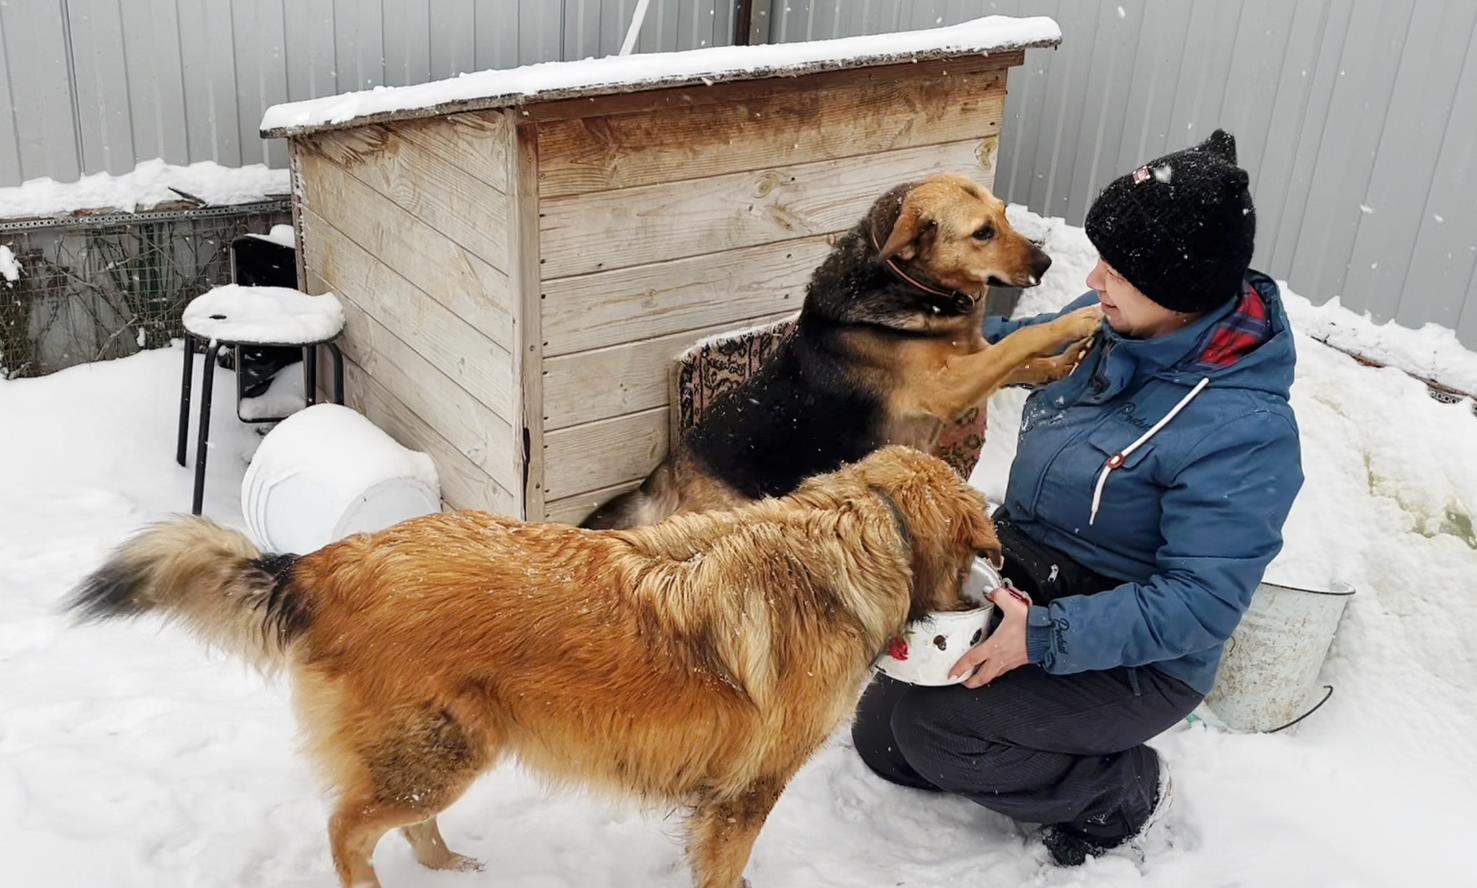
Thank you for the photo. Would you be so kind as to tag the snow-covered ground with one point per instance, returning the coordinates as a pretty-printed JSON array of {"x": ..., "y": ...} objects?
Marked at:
[{"x": 130, "y": 758}]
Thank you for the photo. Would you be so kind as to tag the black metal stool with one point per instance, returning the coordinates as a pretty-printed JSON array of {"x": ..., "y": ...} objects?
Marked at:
[{"x": 208, "y": 321}]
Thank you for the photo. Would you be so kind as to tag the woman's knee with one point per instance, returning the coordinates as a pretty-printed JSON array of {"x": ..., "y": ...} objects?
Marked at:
[
  {"x": 944, "y": 735},
  {"x": 872, "y": 733},
  {"x": 919, "y": 727},
  {"x": 874, "y": 748}
]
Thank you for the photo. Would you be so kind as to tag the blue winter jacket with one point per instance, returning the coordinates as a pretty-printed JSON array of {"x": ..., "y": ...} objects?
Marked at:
[{"x": 1189, "y": 520}]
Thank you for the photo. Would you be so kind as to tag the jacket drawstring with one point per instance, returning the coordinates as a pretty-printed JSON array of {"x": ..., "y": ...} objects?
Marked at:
[{"x": 1116, "y": 460}]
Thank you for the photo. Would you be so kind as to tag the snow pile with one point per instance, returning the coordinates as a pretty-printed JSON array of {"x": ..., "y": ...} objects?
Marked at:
[
  {"x": 282, "y": 235},
  {"x": 265, "y": 315},
  {"x": 104, "y": 433},
  {"x": 1432, "y": 352},
  {"x": 10, "y": 267},
  {"x": 614, "y": 74},
  {"x": 130, "y": 758},
  {"x": 283, "y": 397},
  {"x": 147, "y": 186}
]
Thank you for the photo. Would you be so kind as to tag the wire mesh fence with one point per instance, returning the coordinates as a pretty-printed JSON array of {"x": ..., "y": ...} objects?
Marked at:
[{"x": 106, "y": 286}]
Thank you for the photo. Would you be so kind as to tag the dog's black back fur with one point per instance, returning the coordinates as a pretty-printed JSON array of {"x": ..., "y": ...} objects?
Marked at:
[
  {"x": 797, "y": 416},
  {"x": 807, "y": 411}
]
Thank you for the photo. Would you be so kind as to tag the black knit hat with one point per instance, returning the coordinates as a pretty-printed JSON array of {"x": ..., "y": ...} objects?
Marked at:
[{"x": 1180, "y": 228}]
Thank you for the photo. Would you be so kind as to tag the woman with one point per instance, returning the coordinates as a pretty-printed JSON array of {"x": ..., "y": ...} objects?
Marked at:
[{"x": 1146, "y": 499}]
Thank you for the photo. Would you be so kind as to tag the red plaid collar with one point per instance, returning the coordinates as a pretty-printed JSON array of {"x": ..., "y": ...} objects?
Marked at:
[{"x": 1240, "y": 332}]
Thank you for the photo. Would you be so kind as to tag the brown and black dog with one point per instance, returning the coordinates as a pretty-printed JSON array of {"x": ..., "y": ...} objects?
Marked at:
[
  {"x": 888, "y": 350},
  {"x": 699, "y": 662}
]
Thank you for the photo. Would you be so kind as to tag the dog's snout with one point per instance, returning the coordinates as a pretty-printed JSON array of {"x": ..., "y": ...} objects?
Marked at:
[{"x": 1039, "y": 262}]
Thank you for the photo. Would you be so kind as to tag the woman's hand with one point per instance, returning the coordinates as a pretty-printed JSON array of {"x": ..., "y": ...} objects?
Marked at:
[{"x": 1004, "y": 650}]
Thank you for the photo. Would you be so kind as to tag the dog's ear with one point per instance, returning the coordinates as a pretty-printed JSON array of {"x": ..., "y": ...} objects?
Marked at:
[
  {"x": 986, "y": 544},
  {"x": 911, "y": 221}
]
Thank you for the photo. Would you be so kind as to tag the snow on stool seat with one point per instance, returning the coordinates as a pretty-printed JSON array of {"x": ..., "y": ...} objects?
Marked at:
[
  {"x": 243, "y": 315},
  {"x": 327, "y": 472},
  {"x": 233, "y": 315}
]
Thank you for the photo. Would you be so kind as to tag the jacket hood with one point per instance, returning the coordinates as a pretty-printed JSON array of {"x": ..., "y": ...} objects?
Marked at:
[{"x": 1266, "y": 367}]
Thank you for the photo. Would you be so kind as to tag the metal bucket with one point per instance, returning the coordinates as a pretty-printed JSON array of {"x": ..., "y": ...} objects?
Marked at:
[{"x": 1268, "y": 677}]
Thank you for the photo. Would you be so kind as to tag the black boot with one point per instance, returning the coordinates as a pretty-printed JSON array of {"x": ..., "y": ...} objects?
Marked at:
[{"x": 1070, "y": 847}]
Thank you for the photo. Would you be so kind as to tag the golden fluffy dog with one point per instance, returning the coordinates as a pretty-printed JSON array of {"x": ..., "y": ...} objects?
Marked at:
[{"x": 700, "y": 661}]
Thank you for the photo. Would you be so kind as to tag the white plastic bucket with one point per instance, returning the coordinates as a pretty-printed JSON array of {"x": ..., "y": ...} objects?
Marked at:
[
  {"x": 325, "y": 473},
  {"x": 1268, "y": 677}
]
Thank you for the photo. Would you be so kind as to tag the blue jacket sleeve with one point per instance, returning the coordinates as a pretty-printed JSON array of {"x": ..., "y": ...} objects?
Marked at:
[
  {"x": 1221, "y": 526},
  {"x": 997, "y": 327}
]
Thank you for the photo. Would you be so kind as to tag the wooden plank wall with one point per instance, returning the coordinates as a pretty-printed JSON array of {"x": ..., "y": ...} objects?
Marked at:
[
  {"x": 673, "y": 217},
  {"x": 410, "y": 226}
]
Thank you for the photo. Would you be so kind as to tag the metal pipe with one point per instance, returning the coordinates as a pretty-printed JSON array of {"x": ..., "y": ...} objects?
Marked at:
[
  {"x": 634, "y": 31},
  {"x": 743, "y": 22}
]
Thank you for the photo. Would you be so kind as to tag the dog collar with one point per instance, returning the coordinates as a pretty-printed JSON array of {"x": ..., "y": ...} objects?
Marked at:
[
  {"x": 962, "y": 301},
  {"x": 897, "y": 516}
]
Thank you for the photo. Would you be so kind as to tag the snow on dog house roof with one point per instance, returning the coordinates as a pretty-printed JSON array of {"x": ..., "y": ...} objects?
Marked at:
[{"x": 613, "y": 75}]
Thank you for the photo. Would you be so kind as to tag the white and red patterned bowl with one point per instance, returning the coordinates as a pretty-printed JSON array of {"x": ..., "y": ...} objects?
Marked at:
[{"x": 930, "y": 647}]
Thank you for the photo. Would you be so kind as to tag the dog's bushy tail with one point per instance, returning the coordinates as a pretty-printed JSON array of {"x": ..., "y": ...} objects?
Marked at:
[{"x": 211, "y": 579}]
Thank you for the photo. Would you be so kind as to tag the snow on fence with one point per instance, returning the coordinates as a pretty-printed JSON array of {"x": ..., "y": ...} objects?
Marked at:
[
  {"x": 100, "y": 85},
  {"x": 106, "y": 285}
]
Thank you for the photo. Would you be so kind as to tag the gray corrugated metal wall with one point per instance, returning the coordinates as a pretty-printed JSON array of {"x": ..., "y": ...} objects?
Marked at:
[
  {"x": 1345, "y": 110},
  {"x": 1357, "y": 120},
  {"x": 99, "y": 85}
]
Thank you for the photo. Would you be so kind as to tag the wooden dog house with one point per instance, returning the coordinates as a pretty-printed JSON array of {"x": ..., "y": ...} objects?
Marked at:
[{"x": 521, "y": 254}]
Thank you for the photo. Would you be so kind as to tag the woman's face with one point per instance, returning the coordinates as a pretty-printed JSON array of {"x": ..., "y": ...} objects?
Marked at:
[{"x": 1128, "y": 311}]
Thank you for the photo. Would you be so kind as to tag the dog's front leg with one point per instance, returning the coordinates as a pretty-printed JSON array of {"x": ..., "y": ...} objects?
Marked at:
[
  {"x": 723, "y": 831},
  {"x": 963, "y": 381},
  {"x": 1040, "y": 371}
]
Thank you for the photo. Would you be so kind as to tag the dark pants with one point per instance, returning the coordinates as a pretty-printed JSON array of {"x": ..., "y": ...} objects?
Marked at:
[{"x": 1040, "y": 748}]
